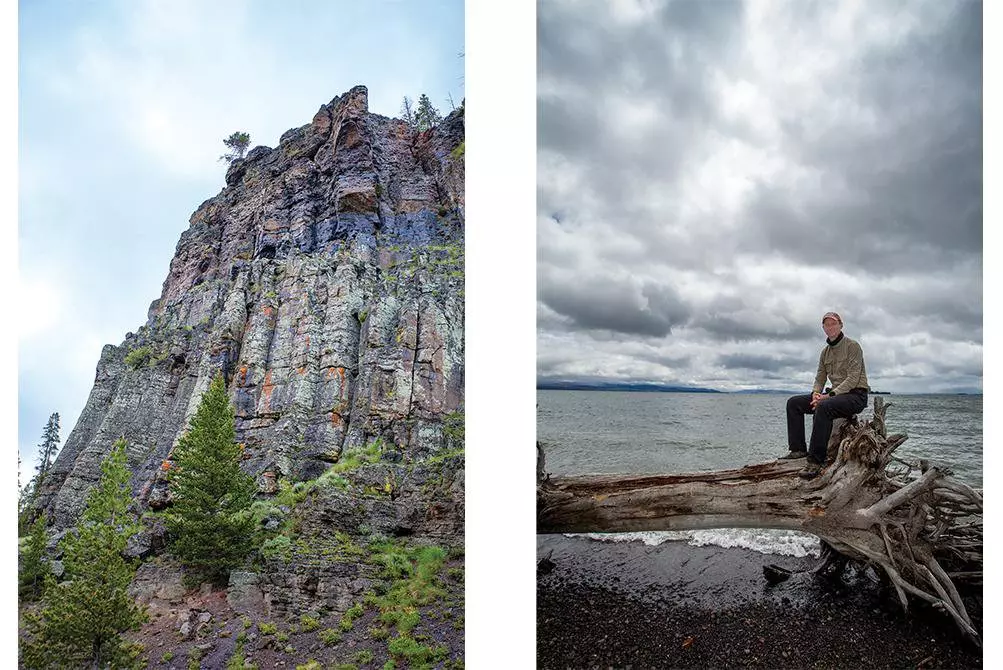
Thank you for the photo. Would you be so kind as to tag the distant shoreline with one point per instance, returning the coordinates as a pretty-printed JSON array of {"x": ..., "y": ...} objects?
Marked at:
[{"x": 657, "y": 388}]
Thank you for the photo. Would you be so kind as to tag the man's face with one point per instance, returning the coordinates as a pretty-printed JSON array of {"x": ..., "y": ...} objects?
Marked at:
[{"x": 831, "y": 328}]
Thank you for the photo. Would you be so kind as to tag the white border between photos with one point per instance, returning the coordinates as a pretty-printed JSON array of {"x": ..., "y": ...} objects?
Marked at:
[
  {"x": 8, "y": 341},
  {"x": 500, "y": 85}
]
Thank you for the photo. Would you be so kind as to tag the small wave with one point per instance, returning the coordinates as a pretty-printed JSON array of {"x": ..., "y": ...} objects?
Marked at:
[{"x": 763, "y": 540}]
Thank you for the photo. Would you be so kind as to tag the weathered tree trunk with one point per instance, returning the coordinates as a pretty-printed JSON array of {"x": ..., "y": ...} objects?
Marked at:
[{"x": 924, "y": 531}]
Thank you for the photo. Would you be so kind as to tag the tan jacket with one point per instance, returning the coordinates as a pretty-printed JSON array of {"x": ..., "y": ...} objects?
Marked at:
[{"x": 843, "y": 364}]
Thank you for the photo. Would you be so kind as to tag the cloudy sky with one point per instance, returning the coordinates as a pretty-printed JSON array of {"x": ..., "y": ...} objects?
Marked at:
[
  {"x": 123, "y": 106},
  {"x": 714, "y": 176}
]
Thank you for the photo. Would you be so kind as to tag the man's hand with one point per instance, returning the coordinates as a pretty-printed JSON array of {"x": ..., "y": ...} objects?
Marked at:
[{"x": 816, "y": 398}]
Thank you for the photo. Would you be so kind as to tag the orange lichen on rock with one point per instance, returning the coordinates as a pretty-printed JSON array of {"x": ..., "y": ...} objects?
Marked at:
[
  {"x": 166, "y": 465},
  {"x": 243, "y": 375},
  {"x": 336, "y": 419},
  {"x": 267, "y": 309},
  {"x": 266, "y": 391},
  {"x": 301, "y": 370}
]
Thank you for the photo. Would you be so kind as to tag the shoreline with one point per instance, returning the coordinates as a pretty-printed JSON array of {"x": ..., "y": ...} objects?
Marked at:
[{"x": 627, "y": 604}]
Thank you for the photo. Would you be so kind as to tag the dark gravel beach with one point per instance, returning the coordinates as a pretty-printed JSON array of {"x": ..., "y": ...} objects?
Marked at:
[{"x": 629, "y": 605}]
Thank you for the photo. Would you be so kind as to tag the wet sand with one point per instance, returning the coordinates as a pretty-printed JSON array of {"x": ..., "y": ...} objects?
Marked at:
[{"x": 629, "y": 605}]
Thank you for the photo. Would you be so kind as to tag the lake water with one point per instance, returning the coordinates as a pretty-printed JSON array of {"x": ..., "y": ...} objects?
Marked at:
[{"x": 637, "y": 432}]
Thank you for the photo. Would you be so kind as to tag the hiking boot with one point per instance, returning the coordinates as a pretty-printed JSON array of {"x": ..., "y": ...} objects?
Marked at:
[
  {"x": 790, "y": 456},
  {"x": 810, "y": 470}
]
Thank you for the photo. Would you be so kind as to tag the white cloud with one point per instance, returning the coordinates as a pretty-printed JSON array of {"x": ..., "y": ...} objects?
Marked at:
[{"x": 40, "y": 307}]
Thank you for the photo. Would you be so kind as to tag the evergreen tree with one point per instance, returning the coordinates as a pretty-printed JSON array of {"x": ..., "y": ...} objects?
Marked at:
[
  {"x": 407, "y": 112},
  {"x": 32, "y": 563},
  {"x": 427, "y": 116},
  {"x": 83, "y": 617},
  {"x": 236, "y": 144},
  {"x": 209, "y": 518},
  {"x": 48, "y": 447},
  {"x": 25, "y": 498}
]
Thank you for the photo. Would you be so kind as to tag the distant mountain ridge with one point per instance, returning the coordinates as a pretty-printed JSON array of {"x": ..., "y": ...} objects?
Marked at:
[{"x": 558, "y": 385}]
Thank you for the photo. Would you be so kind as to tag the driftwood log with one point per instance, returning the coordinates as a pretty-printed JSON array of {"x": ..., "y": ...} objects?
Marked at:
[{"x": 914, "y": 523}]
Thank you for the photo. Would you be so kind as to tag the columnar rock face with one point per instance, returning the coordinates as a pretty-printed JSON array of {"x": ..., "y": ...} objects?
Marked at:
[{"x": 325, "y": 282}]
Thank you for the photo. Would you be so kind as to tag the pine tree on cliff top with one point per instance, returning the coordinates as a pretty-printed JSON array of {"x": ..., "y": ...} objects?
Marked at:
[
  {"x": 427, "y": 116},
  {"x": 236, "y": 145},
  {"x": 209, "y": 518},
  {"x": 83, "y": 617}
]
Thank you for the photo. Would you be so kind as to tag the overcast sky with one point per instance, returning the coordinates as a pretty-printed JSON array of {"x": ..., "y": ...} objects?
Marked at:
[
  {"x": 714, "y": 176},
  {"x": 122, "y": 110}
]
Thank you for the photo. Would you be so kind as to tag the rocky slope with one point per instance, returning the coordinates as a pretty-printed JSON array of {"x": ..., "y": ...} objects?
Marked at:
[{"x": 326, "y": 282}]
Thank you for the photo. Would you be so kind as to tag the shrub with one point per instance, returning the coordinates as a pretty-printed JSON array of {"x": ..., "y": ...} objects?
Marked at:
[
  {"x": 309, "y": 623},
  {"x": 266, "y": 628},
  {"x": 329, "y": 636},
  {"x": 310, "y": 665},
  {"x": 353, "y": 613},
  {"x": 138, "y": 356},
  {"x": 415, "y": 653},
  {"x": 278, "y": 547}
]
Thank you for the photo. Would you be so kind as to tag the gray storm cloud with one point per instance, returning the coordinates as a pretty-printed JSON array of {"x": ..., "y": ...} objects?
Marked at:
[{"x": 713, "y": 176}]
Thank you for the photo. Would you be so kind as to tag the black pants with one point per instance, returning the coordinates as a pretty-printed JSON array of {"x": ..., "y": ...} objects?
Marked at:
[{"x": 840, "y": 406}]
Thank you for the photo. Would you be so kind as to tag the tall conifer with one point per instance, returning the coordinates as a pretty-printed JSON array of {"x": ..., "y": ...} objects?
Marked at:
[
  {"x": 48, "y": 447},
  {"x": 209, "y": 518},
  {"x": 83, "y": 617}
]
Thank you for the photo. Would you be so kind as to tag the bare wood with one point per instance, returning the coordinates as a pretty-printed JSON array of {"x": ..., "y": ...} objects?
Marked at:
[{"x": 862, "y": 494}]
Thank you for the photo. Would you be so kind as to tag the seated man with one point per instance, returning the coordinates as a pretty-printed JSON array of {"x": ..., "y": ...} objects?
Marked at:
[{"x": 842, "y": 362}]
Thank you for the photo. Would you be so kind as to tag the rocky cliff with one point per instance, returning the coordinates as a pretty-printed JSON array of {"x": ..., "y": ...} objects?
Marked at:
[{"x": 325, "y": 281}]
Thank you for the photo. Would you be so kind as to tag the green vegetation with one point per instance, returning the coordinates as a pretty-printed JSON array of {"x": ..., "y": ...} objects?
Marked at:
[
  {"x": 83, "y": 617},
  {"x": 210, "y": 519},
  {"x": 406, "y": 648},
  {"x": 144, "y": 356},
  {"x": 426, "y": 116},
  {"x": 309, "y": 623},
  {"x": 411, "y": 577},
  {"x": 310, "y": 665},
  {"x": 32, "y": 564},
  {"x": 453, "y": 427},
  {"x": 137, "y": 357},
  {"x": 363, "y": 657},
  {"x": 194, "y": 658},
  {"x": 459, "y": 151},
  {"x": 266, "y": 628},
  {"x": 282, "y": 637},
  {"x": 421, "y": 118},
  {"x": 329, "y": 636},
  {"x": 353, "y": 459},
  {"x": 237, "y": 661},
  {"x": 353, "y": 613},
  {"x": 236, "y": 145},
  {"x": 47, "y": 449},
  {"x": 278, "y": 547},
  {"x": 167, "y": 657}
]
